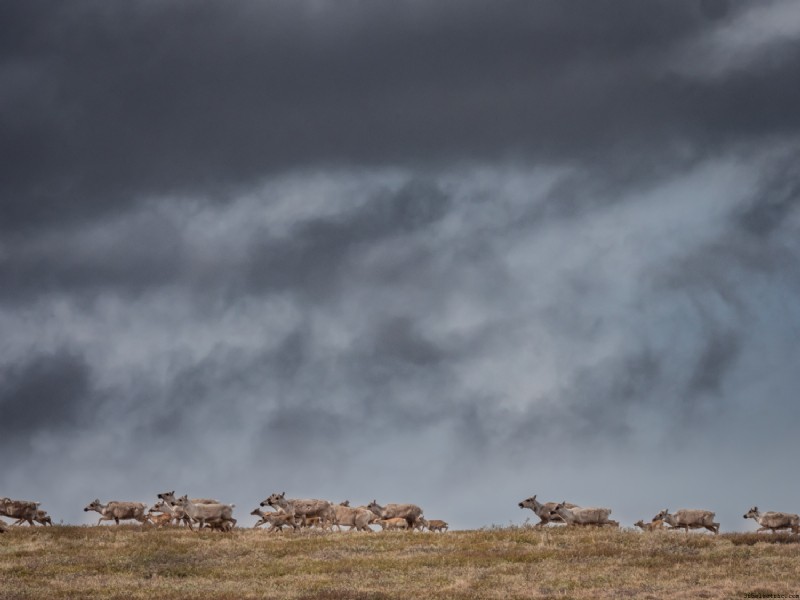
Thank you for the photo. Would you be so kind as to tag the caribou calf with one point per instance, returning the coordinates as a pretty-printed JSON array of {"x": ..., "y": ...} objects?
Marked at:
[
  {"x": 651, "y": 526},
  {"x": 393, "y": 523},
  {"x": 276, "y": 520},
  {"x": 437, "y": 525},
  {"x": 159, "y": 519}
]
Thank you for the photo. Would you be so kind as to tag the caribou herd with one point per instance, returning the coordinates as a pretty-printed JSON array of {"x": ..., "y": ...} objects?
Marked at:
[
  {"x": 297, "y": 513},
  {"x": 686, "y": 519},
  {"x": 294, "y": 513}
]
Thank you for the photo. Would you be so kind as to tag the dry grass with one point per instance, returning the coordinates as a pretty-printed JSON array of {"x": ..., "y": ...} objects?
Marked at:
[{"x": 517, "y": 562}]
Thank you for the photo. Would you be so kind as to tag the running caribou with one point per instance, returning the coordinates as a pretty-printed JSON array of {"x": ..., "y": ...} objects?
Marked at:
[
  {"x": 773, "y": 521},
  {"x": 409, "y": 512},
  {"x": 215, "y": 515},
  {"x": 584, "y": 516},
  {"x": 354, "y": 518},
  {"x": 119, "y": 511},
  {"x": 22, "y": 510},
  {"x": 302, "y": 508},
  {"x": 170, "y": 498},
  {"x": 277, "y": 520},
  {"x": 544, "y": 510},
  {"x": 687, "y": 519},
  {"x": 40, "y": 516}
]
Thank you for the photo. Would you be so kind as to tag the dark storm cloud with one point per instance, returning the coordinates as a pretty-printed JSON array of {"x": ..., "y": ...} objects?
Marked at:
[
  {"x": 777, "y": 199},
  {"x": 313, "y": 256},
  {"x": 715, "y": 9},
  {"x": 717, "y": 358},
  {"x": 128, "y": 256},
  {"x": 104, "y": 104},
  {"x": 594, "y": 406},
  {"x": 399, "y": 338},
  {"x": 44, "y": 393},
  {"x": 147, "y": 250}
]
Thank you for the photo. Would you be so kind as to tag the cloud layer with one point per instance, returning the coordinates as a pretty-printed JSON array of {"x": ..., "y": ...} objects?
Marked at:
[{"x": 453, "y": 255}]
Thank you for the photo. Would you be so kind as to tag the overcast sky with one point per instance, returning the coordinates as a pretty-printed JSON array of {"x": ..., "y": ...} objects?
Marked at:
[{"x": 454, "y": 253}]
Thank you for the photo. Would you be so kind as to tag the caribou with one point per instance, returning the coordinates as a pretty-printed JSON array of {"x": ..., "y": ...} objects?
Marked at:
[
  {"x": 393, "y": 523},
  {"x": 584, "y": 516},
  {"x": 302, "y": 508},
  {"x": 437, "y": 525},
  {"x": 276, "y": 520},
  {"x": 409, "y": 512},
  {"x": 40, "y": 516},
  {"x": 651, "y": 526},
  {"x": 687, "y": 519},
  {"x": 22, "y": 510},
  {"x": 208, "y": 514},
  {"x": 773, "y": 521},
  {"x": 119, "y": 511},
  {"x": 354, "y": 518},
  {"x": 545, "y": 511},
  {"x": 174, "y": 514},
  {"x": 169, "y": 497}
]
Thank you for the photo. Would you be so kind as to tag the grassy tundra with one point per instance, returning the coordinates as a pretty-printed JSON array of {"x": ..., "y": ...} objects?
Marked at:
[{"x": 516, "y": 562}]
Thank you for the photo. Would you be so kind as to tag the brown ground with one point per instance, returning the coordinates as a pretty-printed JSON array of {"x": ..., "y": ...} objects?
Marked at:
[{"x": 516, "y": 562}]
